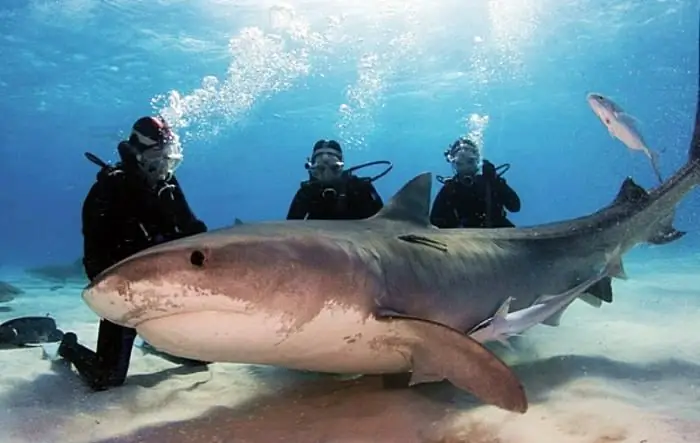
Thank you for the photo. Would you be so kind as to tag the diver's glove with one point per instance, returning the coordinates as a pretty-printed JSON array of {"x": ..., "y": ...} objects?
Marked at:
[{"x": 489, "y": 171}]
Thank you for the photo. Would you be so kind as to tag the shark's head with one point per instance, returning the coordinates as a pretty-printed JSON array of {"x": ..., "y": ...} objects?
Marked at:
[{"x": 237, "y": 278}]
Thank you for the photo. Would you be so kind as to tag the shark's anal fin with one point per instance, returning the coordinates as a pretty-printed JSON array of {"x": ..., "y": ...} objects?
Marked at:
[
  {"x": 423, "y": 240},
  {"x": 411, "y": 203},
  {"x": 602, "y": 289},
  {"x": 440, "y": 352}
]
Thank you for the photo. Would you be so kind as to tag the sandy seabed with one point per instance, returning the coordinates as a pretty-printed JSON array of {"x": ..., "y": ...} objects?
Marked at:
[{"x": 627, "y": 372}]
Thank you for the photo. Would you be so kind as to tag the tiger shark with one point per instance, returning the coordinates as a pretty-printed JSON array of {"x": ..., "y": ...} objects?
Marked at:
[{"x": 387, "y": 295}]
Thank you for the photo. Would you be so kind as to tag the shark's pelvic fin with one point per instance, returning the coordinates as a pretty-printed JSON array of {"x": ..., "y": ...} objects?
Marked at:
[
  {"x": 440, "y": 352},
  {"x": 411, "y": 203},
  {"x": 602, "y": 290}
]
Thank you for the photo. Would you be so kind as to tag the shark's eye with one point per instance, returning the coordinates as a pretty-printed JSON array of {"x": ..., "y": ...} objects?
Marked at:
[{"x": 197, "y": 258}]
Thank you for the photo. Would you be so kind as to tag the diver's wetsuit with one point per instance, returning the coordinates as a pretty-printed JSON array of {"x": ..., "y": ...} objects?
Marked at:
[
  {"x": 351, "y": 198},
  {"x": 121, "y": 216},
  {"x": 466, "y": 205}
]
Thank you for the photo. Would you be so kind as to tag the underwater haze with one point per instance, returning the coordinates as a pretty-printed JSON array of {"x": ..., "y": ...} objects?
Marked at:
[{"x": 250, "y": 86}]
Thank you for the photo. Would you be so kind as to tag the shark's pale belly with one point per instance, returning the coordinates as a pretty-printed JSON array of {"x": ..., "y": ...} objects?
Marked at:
[{"x": 336, "y": 340}]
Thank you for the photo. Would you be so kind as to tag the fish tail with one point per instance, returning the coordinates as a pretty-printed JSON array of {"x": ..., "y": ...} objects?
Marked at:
[{"x": 654, "y": 159}]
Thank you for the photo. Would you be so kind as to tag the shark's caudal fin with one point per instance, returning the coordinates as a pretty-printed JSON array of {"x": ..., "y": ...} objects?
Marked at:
[{"x": 411, "y": 203}]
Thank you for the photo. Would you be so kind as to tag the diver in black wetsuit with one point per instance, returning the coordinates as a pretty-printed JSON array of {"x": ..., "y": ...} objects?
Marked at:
[
  {"x": 332, "y": 193},
  {"x": 133, "y": 205},
  {"x": 470, "y": 199}
]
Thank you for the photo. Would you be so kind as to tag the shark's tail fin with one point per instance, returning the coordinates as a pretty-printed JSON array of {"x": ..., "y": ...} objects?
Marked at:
[
  {"x": 684, "y": 180},
  {"x": 694, "y": 150},
  {"x": 664, "y": 231}
]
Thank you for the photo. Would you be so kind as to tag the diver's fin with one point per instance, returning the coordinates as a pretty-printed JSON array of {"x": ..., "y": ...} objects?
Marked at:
[
  {"x": 440, "y": 352},
  {"x": 602, "y": 289},
  {"x": 411, "y": 203},
  {"x": 149, "y": 349}
]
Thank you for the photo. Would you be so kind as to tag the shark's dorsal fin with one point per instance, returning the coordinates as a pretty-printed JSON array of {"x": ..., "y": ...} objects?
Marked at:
[
  {"x": 237, "y": 221},
  {"x": 411, "y": 203},
  {"x": 630, "y": 192}
]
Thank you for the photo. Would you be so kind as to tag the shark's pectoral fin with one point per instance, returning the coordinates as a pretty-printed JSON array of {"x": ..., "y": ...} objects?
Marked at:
[
  {"x": 440, "y": 352},
  {"x": 602, "y": 289}
]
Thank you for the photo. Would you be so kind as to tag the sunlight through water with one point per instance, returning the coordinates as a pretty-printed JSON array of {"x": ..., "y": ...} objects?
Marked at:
[{"x": 272, "y": 57}]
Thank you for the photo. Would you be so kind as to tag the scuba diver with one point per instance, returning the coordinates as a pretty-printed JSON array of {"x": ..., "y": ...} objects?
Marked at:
[
  {"x": 133, "y": 205},
  {"x": 332, "y": 193},
  {"x": 469, "y": 199}
]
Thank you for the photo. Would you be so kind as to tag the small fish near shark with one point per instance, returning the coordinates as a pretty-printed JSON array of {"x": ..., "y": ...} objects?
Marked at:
[
  {"x": 28, "y": 332},
  {"x": 622, "y": 126},
  {"x": 546, "y": 310},
  {"x": 386, "y": 295}
]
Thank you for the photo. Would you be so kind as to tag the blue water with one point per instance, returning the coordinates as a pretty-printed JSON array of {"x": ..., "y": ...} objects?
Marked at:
[
  {"x": 76, "y": 74},
  {"x": 250, "y": 86}
]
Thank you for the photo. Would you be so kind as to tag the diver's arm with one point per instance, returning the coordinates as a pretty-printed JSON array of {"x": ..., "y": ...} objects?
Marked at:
[
  {"x": 442, "y": 214},
  {"x": 507, "y": 196},
  {"x": 100, "y": 227},
  {"x": 299, "y": 207},
  {"x": 370, "y": 200},
  {"x": 187, "y": 222}
]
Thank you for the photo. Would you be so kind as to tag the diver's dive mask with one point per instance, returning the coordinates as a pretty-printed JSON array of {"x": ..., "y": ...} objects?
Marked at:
[
  {"x": 325, "y": 167},
  {"x": 159, "y": 159},
  {"x": 464, "y": 156}
]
